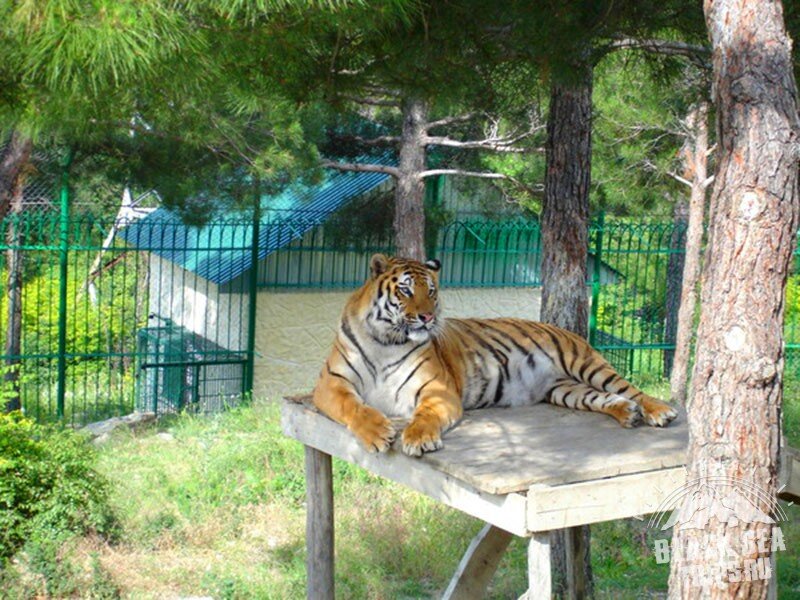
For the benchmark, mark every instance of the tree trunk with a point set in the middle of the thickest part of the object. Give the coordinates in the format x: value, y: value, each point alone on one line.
x: 697, y: 121
x: 675, y: 265
x: 13, y: 159
x: 409, y: 204
x: 565, y: 209
x: 734, y: 407
x: 565, y: 244
x: 13, y: 164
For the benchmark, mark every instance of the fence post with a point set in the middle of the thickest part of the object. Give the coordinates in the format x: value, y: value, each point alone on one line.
x: 596, y: 271
x: 63, y: 246
x: 253, y: 298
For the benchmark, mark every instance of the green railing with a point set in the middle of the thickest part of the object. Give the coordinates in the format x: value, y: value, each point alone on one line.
x: 105, y: 326
x: 634, y: 317
x: 108, y: 323
x: 474, y: 253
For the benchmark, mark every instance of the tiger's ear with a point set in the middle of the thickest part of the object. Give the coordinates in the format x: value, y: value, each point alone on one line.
x: 378, y: 264
x: 433, y: 264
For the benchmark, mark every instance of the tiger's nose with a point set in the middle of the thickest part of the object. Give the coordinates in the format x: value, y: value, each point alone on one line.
x: 426, y: 317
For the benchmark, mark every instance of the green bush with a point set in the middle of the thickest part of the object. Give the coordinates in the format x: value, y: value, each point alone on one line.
x: 48, y: 485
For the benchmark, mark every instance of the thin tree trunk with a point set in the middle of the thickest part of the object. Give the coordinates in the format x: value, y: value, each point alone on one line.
x: 565, y: 243
x: 675, y: 266
x: 13, y: 159
x: 409, y: 206
x: 734, y: 407
x: 17, y: 156
x: 679, y: 376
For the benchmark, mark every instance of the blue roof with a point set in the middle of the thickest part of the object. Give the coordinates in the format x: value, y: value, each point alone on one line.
x: 221, y: 250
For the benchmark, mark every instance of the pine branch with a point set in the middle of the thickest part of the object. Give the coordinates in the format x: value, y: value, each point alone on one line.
x: 533, y: 190
x: 381, y: 140
x: 450, y: 120
x: 374, y: 88
x: 361, y: 168
x: 373, y: 101
x: 695, y: 52
x: 495, y: 145
x: 462, y: 173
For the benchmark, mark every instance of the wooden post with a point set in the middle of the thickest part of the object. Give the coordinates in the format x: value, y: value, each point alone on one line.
x: 540, y: 586
x: 478, y: 565
x: 319, y: 525
x: 576, y: 548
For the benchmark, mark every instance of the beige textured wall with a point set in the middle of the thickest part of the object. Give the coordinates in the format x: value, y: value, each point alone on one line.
x: 294, y: 331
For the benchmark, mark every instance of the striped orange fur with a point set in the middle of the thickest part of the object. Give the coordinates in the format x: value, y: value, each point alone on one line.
x: 395, y: 356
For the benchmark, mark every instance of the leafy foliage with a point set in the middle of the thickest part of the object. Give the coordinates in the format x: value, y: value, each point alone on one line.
x: 48, y: 485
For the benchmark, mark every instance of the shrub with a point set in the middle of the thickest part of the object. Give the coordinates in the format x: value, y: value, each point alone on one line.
x: 48, y: 485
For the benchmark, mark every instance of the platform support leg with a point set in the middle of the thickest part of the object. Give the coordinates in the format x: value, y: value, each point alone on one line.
x: 478, y: 565
x: 577, y: 554
x: 319, y: 525
x: 540, y: 586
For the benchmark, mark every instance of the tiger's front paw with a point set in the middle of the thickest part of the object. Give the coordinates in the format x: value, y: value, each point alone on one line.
x: 658, y: 414
x: 374, y: 430
x: 420, y: 437
x: 627, y: 412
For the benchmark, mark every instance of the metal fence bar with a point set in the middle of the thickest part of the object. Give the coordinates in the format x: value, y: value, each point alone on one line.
x: 62, y: 288
x: 597, y: 258
x: 247, y: 384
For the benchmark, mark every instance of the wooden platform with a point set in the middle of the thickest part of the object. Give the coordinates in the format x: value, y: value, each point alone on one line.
x: 494, y: 457
x: 526, y: 470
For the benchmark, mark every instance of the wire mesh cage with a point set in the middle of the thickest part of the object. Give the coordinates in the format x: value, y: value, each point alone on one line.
x: 182, y: 371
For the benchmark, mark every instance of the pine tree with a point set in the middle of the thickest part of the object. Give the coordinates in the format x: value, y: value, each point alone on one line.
x: 735, y: 399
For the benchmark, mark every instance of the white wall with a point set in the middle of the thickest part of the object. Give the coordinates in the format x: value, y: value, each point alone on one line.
x: 196, y: 304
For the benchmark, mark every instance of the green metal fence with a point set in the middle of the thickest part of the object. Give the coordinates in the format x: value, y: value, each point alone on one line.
x: 106, y: 326
x: 474, y: 252
x: 634, y: 317
x: 108, y: 322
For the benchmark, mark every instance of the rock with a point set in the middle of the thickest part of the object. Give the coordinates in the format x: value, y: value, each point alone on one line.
x: 104, y: 428
x: 101, y: 439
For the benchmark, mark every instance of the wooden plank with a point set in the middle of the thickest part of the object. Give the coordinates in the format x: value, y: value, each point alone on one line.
x: 478, y: 564
x: 503, y: 450
x: 557, y: 507
x: 540, y: 586
x: 319, y: 525
x: 507, y: 511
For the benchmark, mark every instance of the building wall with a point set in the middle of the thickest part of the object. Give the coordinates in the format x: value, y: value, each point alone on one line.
x: 295, y: 330
x: 197, y: 304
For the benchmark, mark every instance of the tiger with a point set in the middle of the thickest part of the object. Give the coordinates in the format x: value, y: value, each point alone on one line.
x: 395, y: 356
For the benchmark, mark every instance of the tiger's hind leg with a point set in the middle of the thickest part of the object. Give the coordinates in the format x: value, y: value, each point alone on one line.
x: 654, y: 412
x: 580, y: 396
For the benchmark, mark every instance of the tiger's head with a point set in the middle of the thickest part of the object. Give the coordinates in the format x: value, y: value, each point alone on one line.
x: 404, y: 299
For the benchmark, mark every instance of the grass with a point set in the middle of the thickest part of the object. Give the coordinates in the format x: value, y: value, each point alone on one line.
x: 214, y: 506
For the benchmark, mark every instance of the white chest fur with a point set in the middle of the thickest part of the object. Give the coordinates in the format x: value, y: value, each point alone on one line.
x: 393, y: 388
